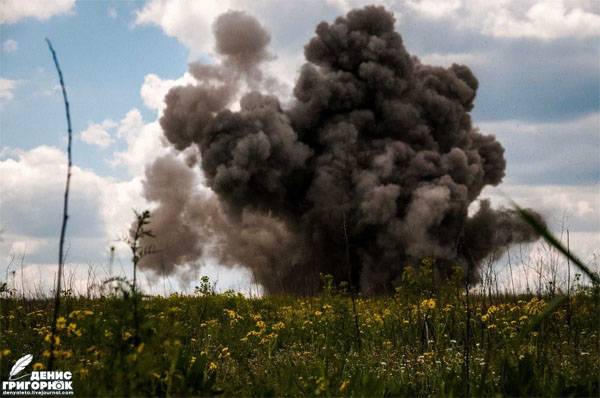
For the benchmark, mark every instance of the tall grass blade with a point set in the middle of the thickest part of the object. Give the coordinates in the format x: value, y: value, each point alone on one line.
x: 548, y: 237
x: 553, y: 241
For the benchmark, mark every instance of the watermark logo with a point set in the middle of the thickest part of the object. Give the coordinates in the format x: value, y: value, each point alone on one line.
x: 39, y: 383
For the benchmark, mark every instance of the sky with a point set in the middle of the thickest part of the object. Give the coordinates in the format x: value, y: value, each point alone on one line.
x: 537, y: 63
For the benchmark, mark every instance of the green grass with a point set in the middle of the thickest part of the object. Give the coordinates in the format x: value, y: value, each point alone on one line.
x: 411, y: 344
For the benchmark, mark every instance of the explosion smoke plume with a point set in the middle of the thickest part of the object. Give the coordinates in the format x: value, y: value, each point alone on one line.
x: 371, y: 168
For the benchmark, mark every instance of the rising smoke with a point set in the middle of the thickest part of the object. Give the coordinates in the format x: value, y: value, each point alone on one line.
x: 372, y: 167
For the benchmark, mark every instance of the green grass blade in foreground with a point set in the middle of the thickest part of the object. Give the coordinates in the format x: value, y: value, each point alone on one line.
x: 550, y: 308
x: 548, y: 237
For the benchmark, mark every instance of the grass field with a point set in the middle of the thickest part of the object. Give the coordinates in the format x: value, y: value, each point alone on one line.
x: 420, y: 342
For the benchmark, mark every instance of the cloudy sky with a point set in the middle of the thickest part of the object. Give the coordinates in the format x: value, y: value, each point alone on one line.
x: 537, y: 63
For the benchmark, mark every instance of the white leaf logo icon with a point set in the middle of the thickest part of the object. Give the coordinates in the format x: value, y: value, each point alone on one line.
x: 20, y: 365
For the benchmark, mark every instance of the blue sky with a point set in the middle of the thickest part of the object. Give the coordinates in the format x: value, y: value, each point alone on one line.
x: 104, y: 60
x: 536, y: 61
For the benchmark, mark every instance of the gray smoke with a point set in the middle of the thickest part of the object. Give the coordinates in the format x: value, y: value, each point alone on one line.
x: 371, y: 168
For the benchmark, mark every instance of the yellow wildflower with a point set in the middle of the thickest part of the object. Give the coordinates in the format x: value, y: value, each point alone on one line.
x: 48, y: 339
x: 38, y: 366
x: 261, y: 325
x: 535, y: 306
x: 344, y: 385
x: 428, y: 304
x: 253, y: 333
x: 61, y: 322
x: 278, y: 326
x: 224, y: 353
x: 321, y: 385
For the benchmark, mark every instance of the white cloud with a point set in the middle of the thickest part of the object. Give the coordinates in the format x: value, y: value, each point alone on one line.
x: 27, y: 174
x: 144, y: 144
x: 112, y: 12
x: 10, y: 45
x: 188, y: 21
x: 447, y: 59
x: 543, y: 20
x: 144, y: 140
x: 435, y: 8
x: 131, y: 124
x: 32, y: 182
x: 536, y: 19
x: 100, y: 217
x: 31, y: 205
x: 23, y: 245
x: 7, y: 89
x: 12, y: 11
x: 576, y: 208
x: 154, y: 89
x: 97, y: 134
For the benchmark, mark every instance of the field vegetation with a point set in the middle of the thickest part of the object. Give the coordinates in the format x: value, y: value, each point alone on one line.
x: 425, y: 340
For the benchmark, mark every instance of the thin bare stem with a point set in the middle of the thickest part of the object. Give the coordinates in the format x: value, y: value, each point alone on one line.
x: 352, y: 287
x: 568, y: 265
x: 63, y: 230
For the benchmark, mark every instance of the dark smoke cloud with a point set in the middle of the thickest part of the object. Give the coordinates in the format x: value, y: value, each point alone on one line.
x: 489, y: 229
x: 241, y: 40
x: 373, y: 166
x: 189, y: 223
x: 175, y: 222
